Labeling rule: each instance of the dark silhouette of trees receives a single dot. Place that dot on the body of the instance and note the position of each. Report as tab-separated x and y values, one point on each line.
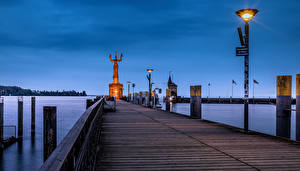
18	91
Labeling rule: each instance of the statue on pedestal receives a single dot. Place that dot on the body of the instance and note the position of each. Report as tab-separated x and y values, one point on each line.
115	88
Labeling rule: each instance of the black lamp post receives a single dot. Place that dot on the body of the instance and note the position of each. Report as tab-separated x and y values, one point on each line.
247	15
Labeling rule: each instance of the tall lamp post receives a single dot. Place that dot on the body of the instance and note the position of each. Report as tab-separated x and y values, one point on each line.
128	91
247	15
150	86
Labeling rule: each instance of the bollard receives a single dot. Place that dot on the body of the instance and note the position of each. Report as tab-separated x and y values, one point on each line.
298	107
195	102
32	114
141	98
20	117
168	96
147	99
283	106
1	118
135	100
49	130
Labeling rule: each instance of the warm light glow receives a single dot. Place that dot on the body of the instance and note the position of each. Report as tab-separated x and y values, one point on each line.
149	70
247	14
247	17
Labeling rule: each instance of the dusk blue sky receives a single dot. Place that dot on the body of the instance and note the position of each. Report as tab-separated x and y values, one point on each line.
65	44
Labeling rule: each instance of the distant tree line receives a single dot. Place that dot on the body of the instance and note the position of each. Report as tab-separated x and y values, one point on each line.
18	91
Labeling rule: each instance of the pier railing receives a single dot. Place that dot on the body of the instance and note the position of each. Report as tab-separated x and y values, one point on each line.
78	150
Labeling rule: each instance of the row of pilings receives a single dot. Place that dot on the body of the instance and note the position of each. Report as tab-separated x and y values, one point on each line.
283	104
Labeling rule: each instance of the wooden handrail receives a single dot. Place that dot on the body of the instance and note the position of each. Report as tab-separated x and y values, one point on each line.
78	149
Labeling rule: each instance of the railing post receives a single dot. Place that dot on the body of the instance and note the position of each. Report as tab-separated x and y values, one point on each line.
20	117
283	106
168	95
195	102
298	107
49	130
1	118
32	115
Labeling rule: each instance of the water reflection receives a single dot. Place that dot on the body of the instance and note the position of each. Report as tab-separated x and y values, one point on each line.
262	117
28	154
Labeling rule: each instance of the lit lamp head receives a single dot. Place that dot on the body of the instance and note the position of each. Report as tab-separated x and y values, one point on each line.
247	14
149	70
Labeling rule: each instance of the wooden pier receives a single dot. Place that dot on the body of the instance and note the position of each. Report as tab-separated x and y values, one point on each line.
138	138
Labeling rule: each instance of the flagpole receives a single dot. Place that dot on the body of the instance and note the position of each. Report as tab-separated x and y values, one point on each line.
232	90
253	91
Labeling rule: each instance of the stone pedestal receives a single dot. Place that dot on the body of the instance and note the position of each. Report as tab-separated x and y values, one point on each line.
116	90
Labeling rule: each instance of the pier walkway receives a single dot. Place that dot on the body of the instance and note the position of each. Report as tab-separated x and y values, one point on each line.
138	138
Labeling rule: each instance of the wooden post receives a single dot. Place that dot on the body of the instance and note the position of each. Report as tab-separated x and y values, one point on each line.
1	118
141	98
49	130
89	103
195	102
283	106
168	95
147	100
298	107
20	117
32	115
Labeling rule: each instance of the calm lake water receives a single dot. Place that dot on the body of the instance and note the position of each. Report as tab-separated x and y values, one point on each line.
28	155
262	117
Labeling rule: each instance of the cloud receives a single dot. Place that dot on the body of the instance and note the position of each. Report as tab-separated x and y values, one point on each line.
86	24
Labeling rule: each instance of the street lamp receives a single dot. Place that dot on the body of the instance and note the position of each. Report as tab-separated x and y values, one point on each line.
247	15
150	86
128	91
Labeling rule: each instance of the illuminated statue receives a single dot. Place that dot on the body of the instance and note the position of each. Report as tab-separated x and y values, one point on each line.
115	88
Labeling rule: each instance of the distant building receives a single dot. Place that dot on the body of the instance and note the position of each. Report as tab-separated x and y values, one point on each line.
173	88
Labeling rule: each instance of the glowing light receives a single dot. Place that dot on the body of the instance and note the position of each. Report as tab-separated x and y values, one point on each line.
247	14
149	70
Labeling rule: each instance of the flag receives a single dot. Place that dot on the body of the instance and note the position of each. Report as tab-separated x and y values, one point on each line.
255	82
233	82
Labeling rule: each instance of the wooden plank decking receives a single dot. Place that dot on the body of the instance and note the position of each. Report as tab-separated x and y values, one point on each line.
137	138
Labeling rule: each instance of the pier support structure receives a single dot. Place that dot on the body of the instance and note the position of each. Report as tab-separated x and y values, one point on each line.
1	118
20	117
283	106
49	130
195	102
32	115
298	107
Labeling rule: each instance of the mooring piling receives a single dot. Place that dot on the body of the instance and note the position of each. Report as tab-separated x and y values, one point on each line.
20	117
32	115
195	102
1	118
283	106
49	130
298	107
